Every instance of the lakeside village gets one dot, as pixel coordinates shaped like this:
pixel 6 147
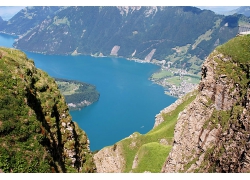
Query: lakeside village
pixel 176 82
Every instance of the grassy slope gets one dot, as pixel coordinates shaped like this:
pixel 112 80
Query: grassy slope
pixel 152 154
pixel 237 48
pixel 68 88
pixel 148 148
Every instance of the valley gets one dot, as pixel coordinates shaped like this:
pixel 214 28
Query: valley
pixel 143 34
pixel 106 89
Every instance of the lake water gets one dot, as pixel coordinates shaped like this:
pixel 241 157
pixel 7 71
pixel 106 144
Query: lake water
pixel 128 100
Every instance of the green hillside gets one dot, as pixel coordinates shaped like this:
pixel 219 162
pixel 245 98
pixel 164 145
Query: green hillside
pixel 37 132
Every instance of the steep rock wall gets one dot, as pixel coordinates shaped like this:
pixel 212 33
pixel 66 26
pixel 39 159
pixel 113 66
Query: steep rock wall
pixel 213 134
pixel 110 160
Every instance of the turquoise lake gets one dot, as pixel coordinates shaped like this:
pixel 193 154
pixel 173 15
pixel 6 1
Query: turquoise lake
pixel 128 100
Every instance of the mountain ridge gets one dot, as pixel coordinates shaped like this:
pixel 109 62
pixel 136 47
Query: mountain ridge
pixel 245 10
pixel 137 31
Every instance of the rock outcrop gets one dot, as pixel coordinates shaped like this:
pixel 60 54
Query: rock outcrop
pixel 213 133
pixel 114 51
pixel 110 160
pixel 37 132
pixel 159 117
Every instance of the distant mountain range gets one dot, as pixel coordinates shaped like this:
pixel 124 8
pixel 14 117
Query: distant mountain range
pixel 245 10
pixel 228 10
pixel 219 9
pixel 28 18
pixel 182 35
pixel 7 12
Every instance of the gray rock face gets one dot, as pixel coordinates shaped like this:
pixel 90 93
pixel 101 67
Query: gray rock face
pixel 109 160
pixel 211 134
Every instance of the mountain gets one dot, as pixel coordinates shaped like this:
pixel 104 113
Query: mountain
pixel 1 20
pixel 205 131
pixel 28 18
pixel 36 129
pixel 223 10
pixel 245 10
pixel 7 12
pixel 182 35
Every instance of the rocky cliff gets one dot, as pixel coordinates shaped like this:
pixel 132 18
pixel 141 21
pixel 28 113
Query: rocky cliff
pixel 110 160
pixel 37 132
pixel 213 133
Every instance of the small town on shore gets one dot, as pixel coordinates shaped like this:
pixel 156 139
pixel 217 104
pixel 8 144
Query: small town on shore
pixel 176 82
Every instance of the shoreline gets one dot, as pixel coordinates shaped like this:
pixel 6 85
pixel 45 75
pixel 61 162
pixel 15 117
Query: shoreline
pixel 170 87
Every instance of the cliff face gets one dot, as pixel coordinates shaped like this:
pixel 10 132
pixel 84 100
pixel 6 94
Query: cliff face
pixel 36 129
pixel 213 133
pixel 110 160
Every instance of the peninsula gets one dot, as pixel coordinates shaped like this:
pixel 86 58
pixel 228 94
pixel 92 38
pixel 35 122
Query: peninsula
pixel 77 94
